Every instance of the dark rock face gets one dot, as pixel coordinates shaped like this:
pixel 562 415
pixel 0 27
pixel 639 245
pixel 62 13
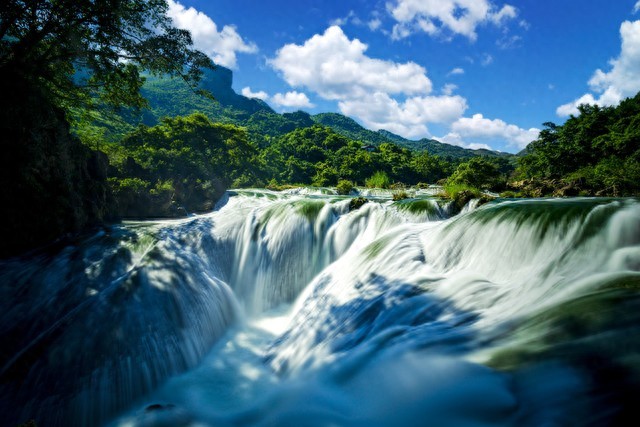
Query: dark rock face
pixel 219 82
pixel 184 199
pixel 356 203
pixel 51 184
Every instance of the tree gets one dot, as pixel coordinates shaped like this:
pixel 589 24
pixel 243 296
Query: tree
pixel 188 161
pixel 72 49
pixel 478 172
pixel 595 152
pixel 429 168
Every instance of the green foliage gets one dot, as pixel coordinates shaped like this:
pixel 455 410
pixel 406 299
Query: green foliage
pixel 349 128
pixel 509 194
pixel 190 159
pixel 74 50
pixel 596 152
pixel 325 175
pixel 378 180
pixel 452 191
pixel 400 195
pixel 478 173
pixel 430 168
pixel 344 186
pixel 461 194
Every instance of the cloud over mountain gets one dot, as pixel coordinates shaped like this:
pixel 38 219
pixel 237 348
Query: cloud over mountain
pixel 221 46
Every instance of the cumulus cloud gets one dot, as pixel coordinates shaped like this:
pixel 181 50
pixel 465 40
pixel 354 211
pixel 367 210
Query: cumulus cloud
pixel 259 95
pixel 479 127
pixel 460 17
pixel 621 81
pixel 509 42
pixel 221 46
pixel 292 99
pixel 337 68
pixel 408 118
pixel 380 93
pixel 374 24
pixel 456 72
pixel 486 60
pixel 448 89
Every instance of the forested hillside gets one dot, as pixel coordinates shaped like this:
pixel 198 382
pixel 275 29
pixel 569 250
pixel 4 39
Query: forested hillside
pixel 594 153
pixel 170 97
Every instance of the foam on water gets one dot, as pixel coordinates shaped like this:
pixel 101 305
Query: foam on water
pixel 291 309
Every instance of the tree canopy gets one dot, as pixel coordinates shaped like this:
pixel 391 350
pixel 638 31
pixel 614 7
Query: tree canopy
pixel 596 152
pixel 72 48
pixel 182 162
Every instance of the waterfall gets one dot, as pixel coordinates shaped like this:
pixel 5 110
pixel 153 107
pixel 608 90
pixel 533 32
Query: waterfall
pixel 293 308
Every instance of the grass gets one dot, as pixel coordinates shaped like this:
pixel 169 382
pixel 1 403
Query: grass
pixel 378 180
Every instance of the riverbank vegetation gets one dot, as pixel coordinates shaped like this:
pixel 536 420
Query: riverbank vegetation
pixel 596 153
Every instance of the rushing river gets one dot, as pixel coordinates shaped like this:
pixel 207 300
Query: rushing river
pixel 291 309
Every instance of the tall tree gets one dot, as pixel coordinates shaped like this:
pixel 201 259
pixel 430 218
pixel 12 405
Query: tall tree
pixel 75 48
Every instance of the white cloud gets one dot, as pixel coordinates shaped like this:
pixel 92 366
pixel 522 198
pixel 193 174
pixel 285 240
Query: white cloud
pixel 508 41
pixel 220 46
pixel 292 99
pixel 408 118
pixel 381 94
pixel 524 25
pixel 636 8
pixel 456 72
pixel 621 81
pixel 457 16
pixel 259 95
pixel 350 18
pixel 448 89
pixel 336 68
pixel 374 24
pixel 572 107
pixel 506 13
pixel 479 127
pixel 384 94
pixel 486 60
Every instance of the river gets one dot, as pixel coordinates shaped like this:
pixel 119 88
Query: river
pixel 293 309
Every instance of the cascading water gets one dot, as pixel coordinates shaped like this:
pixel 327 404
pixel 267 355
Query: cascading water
pixel 294 309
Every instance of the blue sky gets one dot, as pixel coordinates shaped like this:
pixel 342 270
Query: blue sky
pixel 476 73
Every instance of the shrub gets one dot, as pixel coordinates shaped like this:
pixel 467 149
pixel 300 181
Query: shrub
pixel 400 195
pixel 356 203
pixel 477 173
pixel 460 194
pixel 344 186
pixel 378 180
pixel 509 194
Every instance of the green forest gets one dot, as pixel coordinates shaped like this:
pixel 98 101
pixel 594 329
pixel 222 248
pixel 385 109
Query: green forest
pixel 100 125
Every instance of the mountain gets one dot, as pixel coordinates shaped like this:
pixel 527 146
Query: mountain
pixel 350 128
pixel 169 97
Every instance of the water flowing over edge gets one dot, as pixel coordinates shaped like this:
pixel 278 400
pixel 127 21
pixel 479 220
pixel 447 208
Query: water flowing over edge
pixel 295 309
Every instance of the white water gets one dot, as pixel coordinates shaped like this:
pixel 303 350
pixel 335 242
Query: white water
pixel 289 309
